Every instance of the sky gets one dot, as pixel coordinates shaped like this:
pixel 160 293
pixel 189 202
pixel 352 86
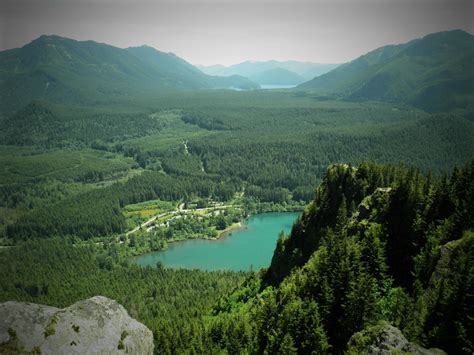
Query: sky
pixel 227 32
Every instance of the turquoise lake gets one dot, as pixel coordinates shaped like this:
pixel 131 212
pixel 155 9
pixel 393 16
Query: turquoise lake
pixel 251 246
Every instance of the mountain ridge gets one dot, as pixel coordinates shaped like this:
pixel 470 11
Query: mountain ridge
pixel 65 70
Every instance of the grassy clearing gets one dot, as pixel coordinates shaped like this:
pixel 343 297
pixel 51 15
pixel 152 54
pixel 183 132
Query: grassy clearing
pixel 139 213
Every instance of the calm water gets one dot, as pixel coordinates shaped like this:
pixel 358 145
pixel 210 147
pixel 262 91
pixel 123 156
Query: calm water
pixel 251 246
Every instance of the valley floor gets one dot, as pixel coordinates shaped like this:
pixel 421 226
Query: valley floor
pixel 90 187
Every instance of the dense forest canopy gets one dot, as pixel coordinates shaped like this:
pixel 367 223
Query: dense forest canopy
pixel 275 146
pixel 377 243
pixel 348 264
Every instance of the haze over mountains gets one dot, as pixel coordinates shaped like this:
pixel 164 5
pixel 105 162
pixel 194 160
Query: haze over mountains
pixel 272 71
pixel 434 73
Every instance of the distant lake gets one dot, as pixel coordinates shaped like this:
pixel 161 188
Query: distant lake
pixel 276 86
pixel 251 246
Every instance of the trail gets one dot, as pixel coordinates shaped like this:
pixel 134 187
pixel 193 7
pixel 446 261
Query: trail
pixel 186 150
pixel 46 89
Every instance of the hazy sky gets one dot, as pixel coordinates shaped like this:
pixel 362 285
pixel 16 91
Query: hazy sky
pixel 227 32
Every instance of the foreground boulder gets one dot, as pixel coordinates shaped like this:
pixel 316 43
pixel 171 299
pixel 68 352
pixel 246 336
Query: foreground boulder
pixel 385 339
pixel 97 325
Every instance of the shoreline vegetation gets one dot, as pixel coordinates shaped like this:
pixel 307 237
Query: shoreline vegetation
pixel 222 234
pixel 161 232
pixel 206 220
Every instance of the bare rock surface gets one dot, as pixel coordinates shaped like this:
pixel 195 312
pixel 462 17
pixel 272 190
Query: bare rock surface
pixel 390 340
pixel 385 339
pixel 97 325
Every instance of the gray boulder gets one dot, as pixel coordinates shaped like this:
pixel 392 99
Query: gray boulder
pixel 385 339
pixel 390 340
pixel 97 325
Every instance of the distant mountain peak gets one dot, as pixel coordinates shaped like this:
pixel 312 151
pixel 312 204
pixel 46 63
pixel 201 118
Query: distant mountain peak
pixel 300 71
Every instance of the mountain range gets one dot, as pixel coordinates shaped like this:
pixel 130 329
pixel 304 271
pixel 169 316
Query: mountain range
pixel 272 71
pixel 64 70
pixel 435 73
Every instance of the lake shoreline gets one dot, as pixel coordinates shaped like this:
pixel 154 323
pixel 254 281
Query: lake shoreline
pixel 222 234
pixel 252 243
pixel 228 230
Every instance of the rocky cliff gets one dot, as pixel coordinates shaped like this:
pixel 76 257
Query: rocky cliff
pixel 96 325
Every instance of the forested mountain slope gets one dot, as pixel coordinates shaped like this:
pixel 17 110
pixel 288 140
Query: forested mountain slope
pixel 378 243
pixel 435 73
pixel 64 70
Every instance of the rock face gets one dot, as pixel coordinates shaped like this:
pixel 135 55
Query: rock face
pixel 391 340
pixel 97 325
pixel 385 339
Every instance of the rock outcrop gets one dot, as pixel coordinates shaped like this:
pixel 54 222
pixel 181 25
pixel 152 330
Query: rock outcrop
pixel 375 201
pixel 97 325
pixel 385 339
